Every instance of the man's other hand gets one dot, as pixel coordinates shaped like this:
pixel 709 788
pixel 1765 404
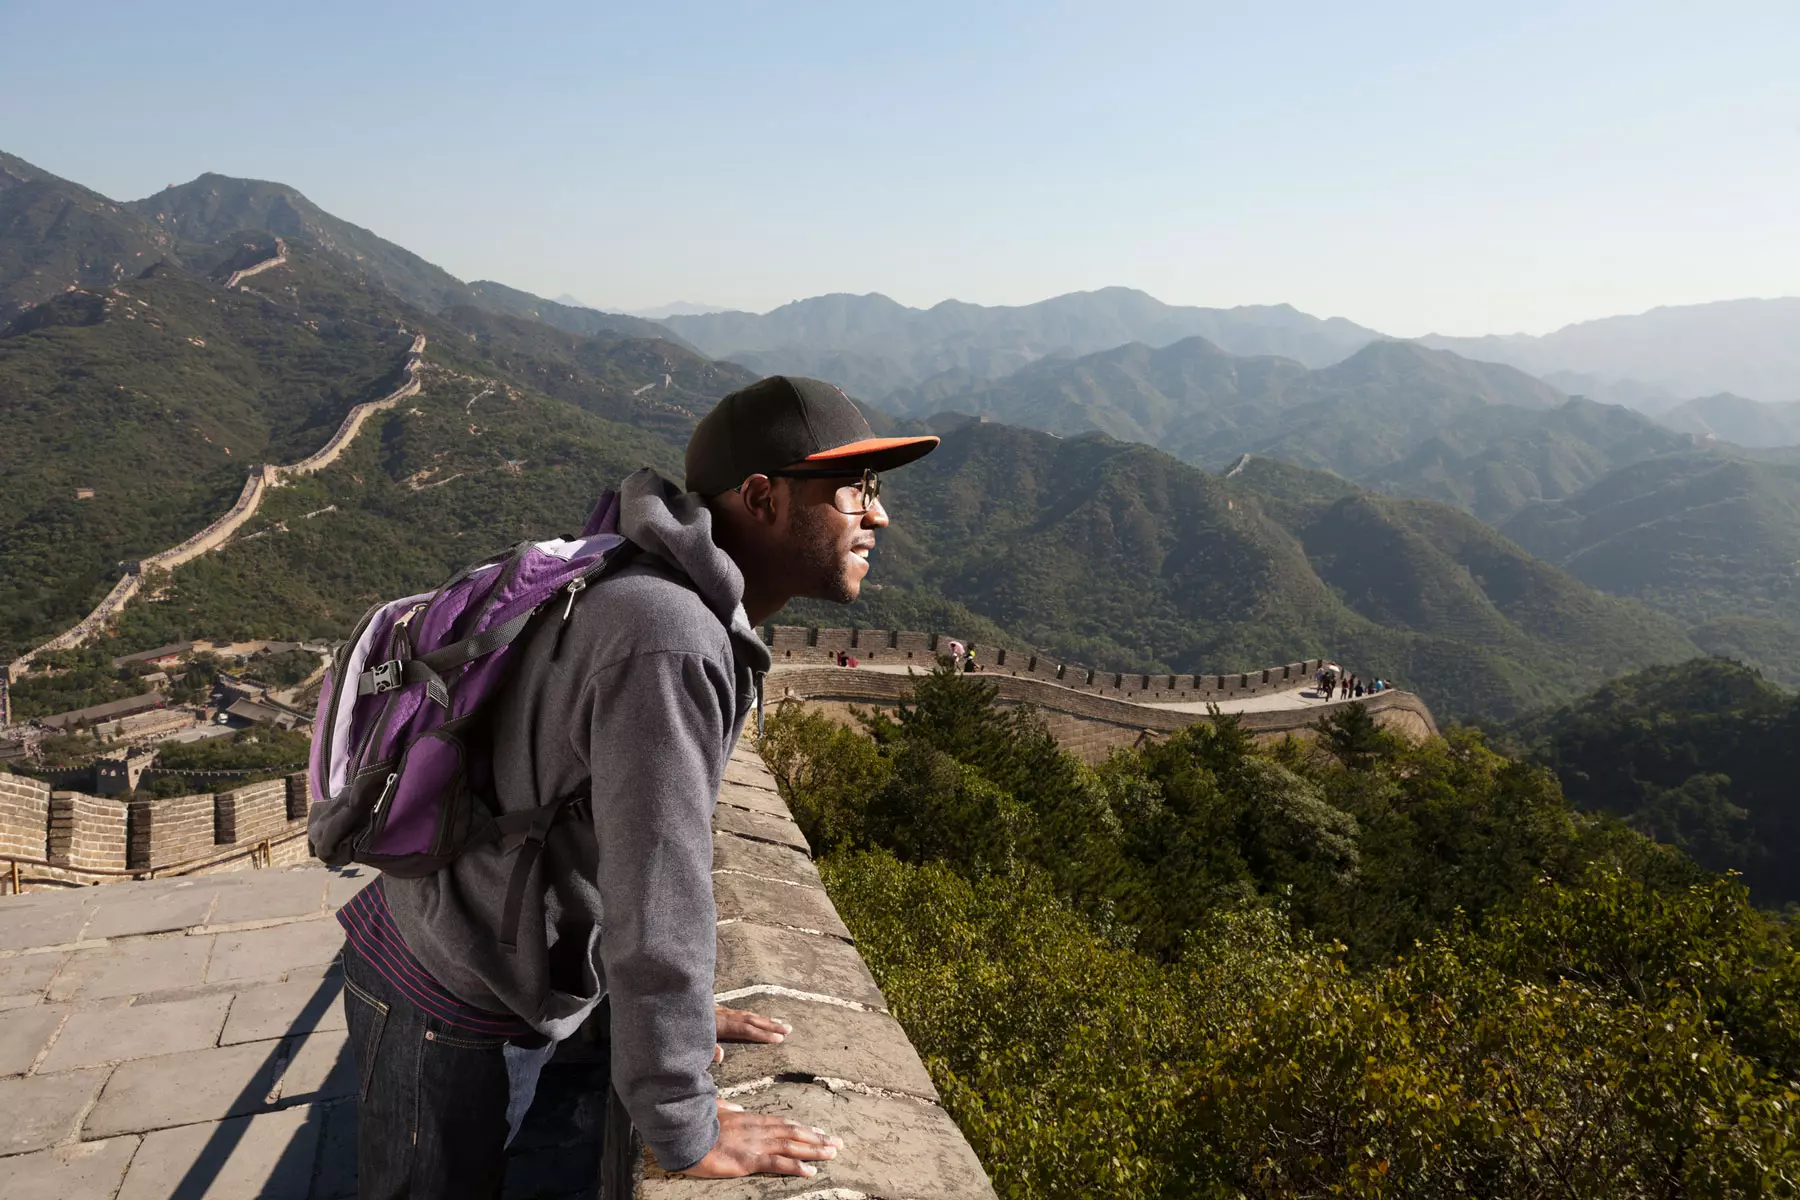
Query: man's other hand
pixel 753 1144
pixel 737 1025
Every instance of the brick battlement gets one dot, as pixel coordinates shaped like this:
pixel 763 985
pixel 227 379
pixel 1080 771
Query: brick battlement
pixel 1085 722
pixel 801 645
pixel 72 837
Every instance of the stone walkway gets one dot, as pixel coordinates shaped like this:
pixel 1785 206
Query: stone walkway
pixel 185 1038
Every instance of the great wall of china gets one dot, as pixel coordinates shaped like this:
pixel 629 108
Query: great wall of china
pixel 260 480
pixel 257 268
pixel 1090 712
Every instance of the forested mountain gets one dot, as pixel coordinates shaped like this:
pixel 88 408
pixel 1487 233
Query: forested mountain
pixel 1751 347
pixel 55 235
pixel 1703 755
pixel 1713 540
pixel 874 346
pixel 159 388
pixel 1394 416
pixel 1738 420
pixel 214 207
pixel 160 392
pixel 1120 555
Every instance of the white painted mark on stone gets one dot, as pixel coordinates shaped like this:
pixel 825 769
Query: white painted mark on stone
pixel 765 878
pixel 775 989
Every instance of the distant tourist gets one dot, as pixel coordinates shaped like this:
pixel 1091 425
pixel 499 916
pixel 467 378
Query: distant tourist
pixel 851 661
pixel 956 652
pixel 970 666
pixel 632 703
pixel 841 659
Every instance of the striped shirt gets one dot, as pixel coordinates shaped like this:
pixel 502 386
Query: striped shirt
pixel 371 930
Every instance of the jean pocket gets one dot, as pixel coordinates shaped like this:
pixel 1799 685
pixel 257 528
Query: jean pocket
pixel 366 1017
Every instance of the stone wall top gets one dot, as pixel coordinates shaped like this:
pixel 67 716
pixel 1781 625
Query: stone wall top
pixel 800 645
pixel 848 1066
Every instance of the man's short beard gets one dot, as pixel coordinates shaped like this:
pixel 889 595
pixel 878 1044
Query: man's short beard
pixel 819 557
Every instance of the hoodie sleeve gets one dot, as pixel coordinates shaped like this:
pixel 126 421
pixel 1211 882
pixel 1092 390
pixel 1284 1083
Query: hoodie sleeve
pixel 656 752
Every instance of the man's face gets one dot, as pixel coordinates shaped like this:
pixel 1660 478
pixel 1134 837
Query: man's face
pixel 830 548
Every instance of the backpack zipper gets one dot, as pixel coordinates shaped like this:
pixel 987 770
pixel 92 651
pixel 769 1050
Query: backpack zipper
pixel 387 789
pixel 574 587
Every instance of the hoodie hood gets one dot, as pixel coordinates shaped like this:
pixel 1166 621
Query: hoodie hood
pixel 676 526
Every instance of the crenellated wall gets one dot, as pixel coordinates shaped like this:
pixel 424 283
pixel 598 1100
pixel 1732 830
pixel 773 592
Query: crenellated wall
pixel 1085 722
pixel 799 645
pixel 222 530
pixel 71 837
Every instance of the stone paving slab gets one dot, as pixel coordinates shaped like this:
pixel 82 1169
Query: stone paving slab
pixel 269 1156
pixel 24 1001
pixel 265 953
pixel 183 906
pixel 322 1069
pixel 751 899
pixel 187 1088
pixel 41 1110
pixel 124 970
pixel 29 973
pixel 83 1171
pixel 753 798
pixel 734 853
pixel 778 830
pixel 756 955
pixel 288 894
pixel 828 1041
pixel 24 1033
pixel 279 1009
pixel 141 1031
pixel 43 925
pixel 345 883
pixel 893 1147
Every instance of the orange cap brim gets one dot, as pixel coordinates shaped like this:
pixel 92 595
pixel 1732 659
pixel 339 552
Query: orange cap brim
pixel 880 454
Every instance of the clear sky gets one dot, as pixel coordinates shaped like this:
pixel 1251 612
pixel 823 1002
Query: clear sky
pixel 1460 168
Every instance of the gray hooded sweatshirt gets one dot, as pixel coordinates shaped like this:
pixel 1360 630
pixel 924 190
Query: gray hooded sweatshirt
pixel 641 702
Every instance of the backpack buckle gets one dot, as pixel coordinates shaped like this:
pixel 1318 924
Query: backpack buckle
pixel 386 677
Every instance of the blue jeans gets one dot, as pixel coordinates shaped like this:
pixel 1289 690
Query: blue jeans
pixel 438 1104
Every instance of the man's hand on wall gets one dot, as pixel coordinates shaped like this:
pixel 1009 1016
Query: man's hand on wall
pixel 738 1025
pixel 758 1144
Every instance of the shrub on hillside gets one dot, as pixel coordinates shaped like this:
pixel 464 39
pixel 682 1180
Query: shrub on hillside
pixel 1350 966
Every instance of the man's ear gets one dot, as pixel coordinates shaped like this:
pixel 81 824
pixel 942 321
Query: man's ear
pixel 758 494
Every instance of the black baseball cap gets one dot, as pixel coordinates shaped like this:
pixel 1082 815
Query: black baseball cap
pixel 783 420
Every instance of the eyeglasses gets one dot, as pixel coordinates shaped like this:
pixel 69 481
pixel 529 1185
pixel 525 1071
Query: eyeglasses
pixel 853 499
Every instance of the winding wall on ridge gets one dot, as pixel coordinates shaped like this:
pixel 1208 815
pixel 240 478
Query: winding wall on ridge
pixel 1091 713
pixel 220 531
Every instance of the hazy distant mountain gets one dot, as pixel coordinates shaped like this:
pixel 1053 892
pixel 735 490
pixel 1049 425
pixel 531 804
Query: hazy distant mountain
pixel 1750 347
pixel 874 346
pixel 1394 415
pixel 680 308
pixel 1738 420
pixel 1632 393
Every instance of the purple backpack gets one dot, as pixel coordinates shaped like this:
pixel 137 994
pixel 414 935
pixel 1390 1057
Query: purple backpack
pixel 398 780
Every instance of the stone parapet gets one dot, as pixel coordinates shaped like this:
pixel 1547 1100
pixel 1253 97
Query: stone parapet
pixel 848 1066
pixel 24 816
pixel 1087 722
pixel 87 833
pixel 71 837
pixel 802 645
pixel 251 814
pixel 171 830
